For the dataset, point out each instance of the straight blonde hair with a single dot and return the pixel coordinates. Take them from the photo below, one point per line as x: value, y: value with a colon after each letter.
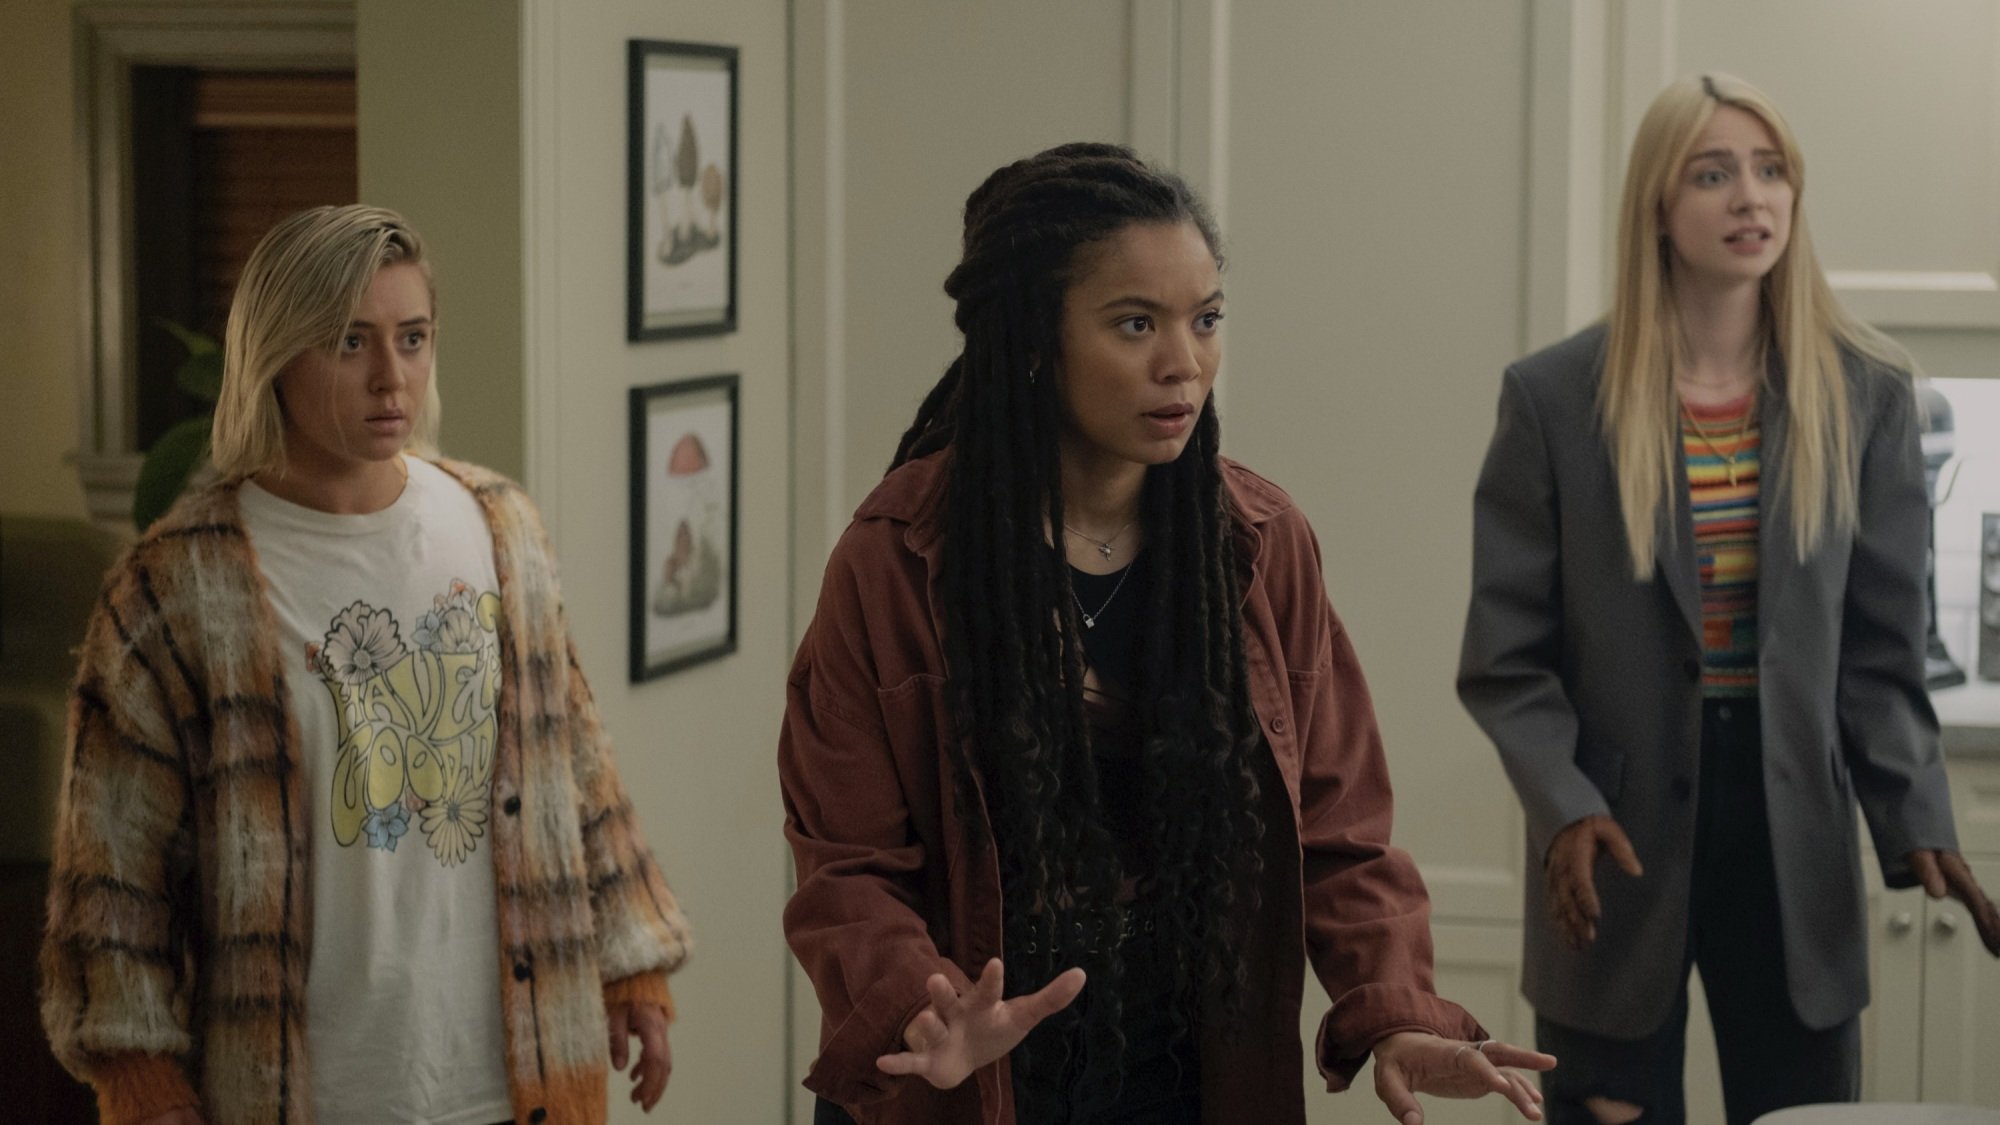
x: 1801, y: 320
x: 299, y: 292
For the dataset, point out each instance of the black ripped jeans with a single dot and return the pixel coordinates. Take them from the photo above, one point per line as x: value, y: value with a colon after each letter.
x: 1769, y: 1059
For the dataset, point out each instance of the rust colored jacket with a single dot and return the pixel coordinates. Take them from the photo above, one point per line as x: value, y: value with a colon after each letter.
x: 894, y: 885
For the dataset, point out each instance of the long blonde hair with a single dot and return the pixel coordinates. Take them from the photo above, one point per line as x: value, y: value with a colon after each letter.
x: 1801, y: 320
x: 298, y: 292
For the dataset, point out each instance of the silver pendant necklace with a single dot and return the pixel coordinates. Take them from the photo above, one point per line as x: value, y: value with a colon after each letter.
x: 1089, y: 618
x: 1103, y: 545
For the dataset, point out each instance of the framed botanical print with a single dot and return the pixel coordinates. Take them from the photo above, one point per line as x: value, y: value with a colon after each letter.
x: 684, y: 523
x: 681, y: 227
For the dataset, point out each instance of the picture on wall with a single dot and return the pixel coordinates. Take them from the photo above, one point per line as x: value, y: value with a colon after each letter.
x: 684, y: 490
x: 681, y: 227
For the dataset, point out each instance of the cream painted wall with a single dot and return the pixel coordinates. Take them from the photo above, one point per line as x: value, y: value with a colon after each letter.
x: 1377, y: 203
x: 1949, y: 354
x: 902, y: 107
x: 439, y: 93
x: 935, y: 71
x: 1375, y: 293
x: 40, y: 328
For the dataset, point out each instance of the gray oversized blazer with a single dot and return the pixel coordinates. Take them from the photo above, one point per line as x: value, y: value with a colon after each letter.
x: 1588, y: 682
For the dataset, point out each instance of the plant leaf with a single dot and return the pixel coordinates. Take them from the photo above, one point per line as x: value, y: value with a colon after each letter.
x: 197, y: 343
x: 200, y: 375
x: 166, y: 469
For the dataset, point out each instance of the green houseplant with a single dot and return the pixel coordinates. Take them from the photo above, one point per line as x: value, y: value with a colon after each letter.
x: 179, y: 452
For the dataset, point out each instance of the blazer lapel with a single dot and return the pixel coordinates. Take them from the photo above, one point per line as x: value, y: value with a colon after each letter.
x: 1777, y: 555
x: 1673, y: 550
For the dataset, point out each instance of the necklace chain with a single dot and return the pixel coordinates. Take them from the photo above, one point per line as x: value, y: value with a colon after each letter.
x: 1089, y: 618
x: 1103, y: 545
x: 1742, y: 430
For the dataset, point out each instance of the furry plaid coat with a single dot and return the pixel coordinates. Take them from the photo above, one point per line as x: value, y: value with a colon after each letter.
x: 174, y: 968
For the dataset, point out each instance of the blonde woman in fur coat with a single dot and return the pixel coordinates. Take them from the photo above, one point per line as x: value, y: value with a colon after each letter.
x: 341, y: 841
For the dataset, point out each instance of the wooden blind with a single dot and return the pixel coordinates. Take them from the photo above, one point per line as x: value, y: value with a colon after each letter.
x: 265, y: 145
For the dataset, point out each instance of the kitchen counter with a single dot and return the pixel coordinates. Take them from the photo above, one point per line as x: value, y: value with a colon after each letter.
x: 1970, y: 716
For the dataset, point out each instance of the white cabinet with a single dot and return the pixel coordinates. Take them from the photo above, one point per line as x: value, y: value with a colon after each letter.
x: 1932, y: 1032
x: 1961, y: 1043
x: 1892, y: 1027
x: 1934, y: 1028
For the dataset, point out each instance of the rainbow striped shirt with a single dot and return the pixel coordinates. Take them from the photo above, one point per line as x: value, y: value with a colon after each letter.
x: 1725, y: 540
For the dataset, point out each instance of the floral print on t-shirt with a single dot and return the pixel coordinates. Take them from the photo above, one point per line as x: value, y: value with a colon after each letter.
x: 416, y: 722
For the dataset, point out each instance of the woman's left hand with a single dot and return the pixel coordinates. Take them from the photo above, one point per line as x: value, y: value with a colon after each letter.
x: 656, y: 1058
x: 1945, y: 873
x: 1409, y: 1063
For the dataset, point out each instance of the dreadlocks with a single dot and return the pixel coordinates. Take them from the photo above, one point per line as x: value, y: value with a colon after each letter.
x: 1011, y: 634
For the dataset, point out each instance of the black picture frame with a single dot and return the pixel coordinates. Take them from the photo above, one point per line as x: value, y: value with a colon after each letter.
x: 684, y: 590
x: 680, y: 279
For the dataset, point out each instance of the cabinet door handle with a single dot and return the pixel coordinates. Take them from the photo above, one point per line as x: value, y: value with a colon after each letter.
x: 1901, y: 922
x: 1946, y: 924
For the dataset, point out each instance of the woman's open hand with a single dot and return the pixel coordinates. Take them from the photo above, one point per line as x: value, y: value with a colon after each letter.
x: 957, y: 1034
x: 1409, y: 1063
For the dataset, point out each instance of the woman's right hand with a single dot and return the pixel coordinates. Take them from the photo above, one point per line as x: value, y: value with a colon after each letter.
x: 957, y: 1034
x: 182, y: 1116
x: 1572, y: 872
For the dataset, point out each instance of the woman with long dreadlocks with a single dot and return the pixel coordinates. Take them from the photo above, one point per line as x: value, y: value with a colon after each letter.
x: 1074, y: 706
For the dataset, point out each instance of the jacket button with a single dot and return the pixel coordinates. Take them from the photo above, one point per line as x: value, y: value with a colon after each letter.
x: 522, y: 971
x: 538, y: 1115
x: 1278, y: 725
x: 1683, y: 788
x: 512, y: 807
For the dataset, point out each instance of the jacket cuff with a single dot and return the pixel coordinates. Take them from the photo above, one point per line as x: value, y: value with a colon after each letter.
x: 641, y: 988
x: 132, y: 1088
x: 1565, y: 801
x: 845, y: 1071
x: 1363, y: 1017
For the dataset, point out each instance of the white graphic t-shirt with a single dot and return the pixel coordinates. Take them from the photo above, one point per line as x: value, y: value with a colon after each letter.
x: 390, y: 625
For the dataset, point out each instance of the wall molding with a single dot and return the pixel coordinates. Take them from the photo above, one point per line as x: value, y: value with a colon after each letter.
x: 818, y: 384
x: 1568, y: 118
x: 1481, y: 893
x: 541, y: 256
x: 818, y: 293
x: 1177, y: 98
x: 1152, y: 96
x: 1920, y: 298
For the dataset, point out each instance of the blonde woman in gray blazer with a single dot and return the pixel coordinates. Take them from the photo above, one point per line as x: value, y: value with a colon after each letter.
x: 1696, y: 639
